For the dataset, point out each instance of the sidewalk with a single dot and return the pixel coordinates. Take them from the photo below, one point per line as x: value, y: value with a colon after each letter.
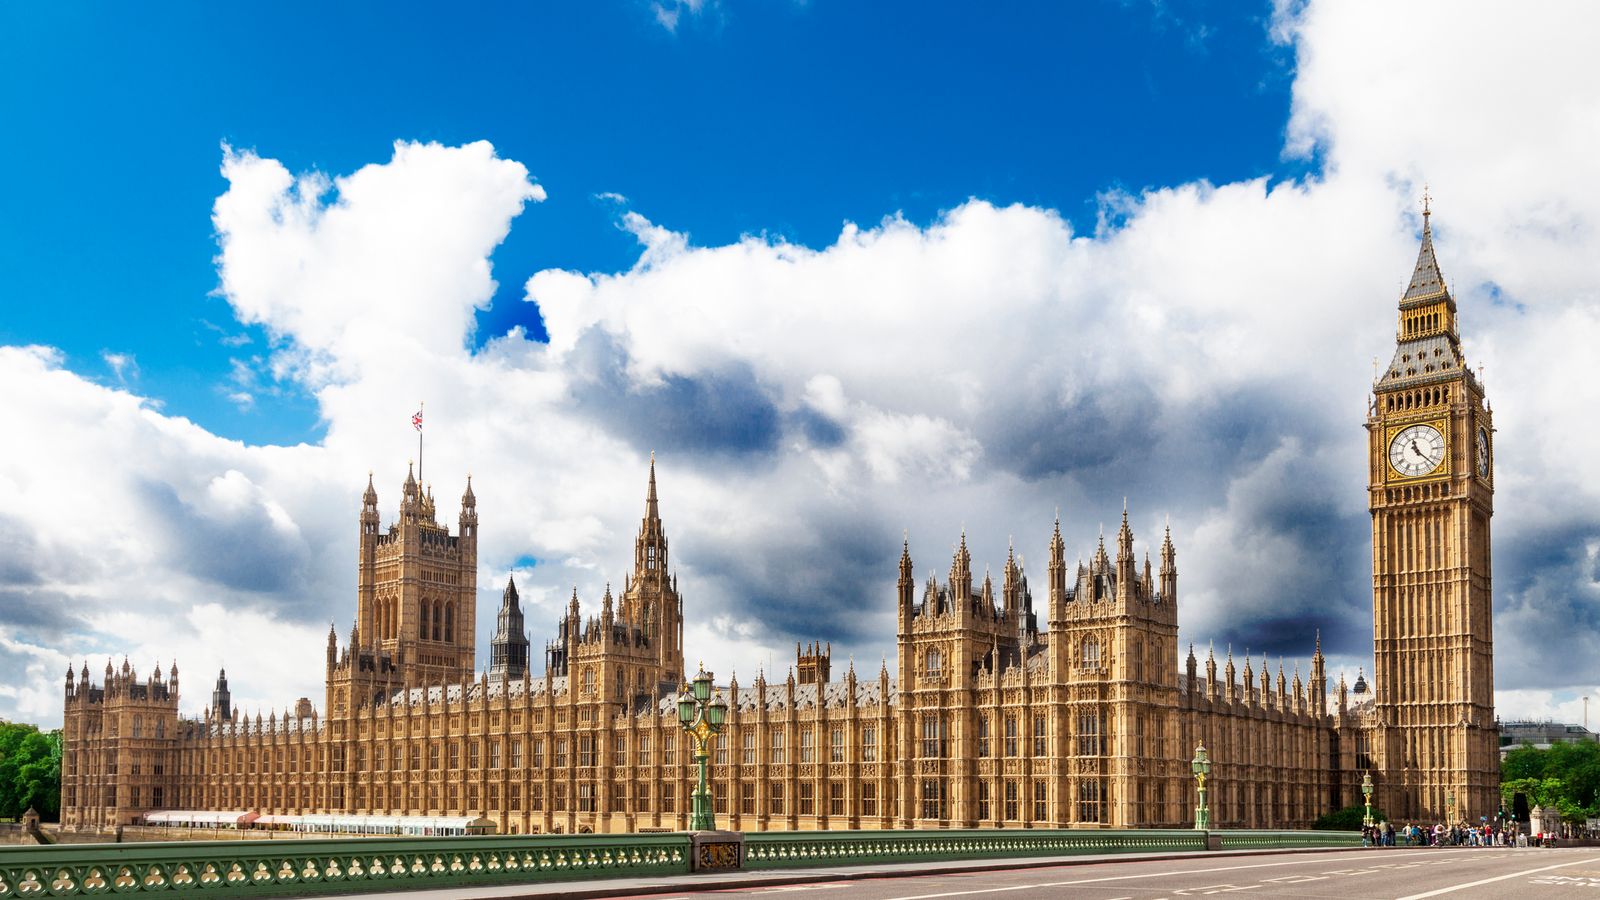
x: 712, y: 881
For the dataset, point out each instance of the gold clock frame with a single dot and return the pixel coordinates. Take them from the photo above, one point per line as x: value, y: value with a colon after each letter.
x: 1437, y: 473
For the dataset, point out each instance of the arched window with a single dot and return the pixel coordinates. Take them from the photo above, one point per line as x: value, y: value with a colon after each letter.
x: 588, y: 680
x: 649, y: 620
x: 450, y: 622
x: 1091, y: 653
x: 138, y: 726
x: 438, y: 616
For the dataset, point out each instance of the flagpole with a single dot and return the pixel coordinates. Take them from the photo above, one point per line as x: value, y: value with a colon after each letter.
x: 419, y: 446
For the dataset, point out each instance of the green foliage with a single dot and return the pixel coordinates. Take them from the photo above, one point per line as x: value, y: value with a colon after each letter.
x: 30, y: 771
x: 1348, y: 819
x: 1566, y: 776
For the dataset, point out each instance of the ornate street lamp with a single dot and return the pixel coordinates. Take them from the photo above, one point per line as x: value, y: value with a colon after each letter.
x: 1201, y: 765
x: 1366, y: 792
x: 1450, y: 807
x: 702, y: 718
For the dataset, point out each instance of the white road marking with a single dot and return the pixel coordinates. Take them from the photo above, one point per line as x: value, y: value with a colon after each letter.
x: 1461, y: 887
x: 1029, y: 887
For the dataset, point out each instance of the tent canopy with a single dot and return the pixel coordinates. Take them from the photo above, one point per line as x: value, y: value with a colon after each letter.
x: 201, y: 817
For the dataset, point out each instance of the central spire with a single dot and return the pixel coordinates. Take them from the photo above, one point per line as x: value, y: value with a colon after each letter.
x: 651, y: 510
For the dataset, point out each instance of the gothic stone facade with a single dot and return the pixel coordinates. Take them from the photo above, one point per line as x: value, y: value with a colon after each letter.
x: 986, y: 720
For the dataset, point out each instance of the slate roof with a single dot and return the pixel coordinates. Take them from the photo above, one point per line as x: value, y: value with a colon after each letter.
x: 1421, y: 360
x: 1426, y: 280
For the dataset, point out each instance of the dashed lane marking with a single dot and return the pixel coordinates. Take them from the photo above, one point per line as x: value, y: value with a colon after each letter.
x: 1471, y: 884
x: 1030, y: 887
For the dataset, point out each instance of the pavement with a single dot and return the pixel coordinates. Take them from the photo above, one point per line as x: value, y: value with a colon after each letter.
x: 1345, y: 874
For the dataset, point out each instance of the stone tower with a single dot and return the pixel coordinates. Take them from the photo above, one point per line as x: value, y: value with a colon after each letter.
x: 1114, y: 634
x: 417, y: 587
x: 1431, y: 494
x: 508, y: 650
x: 650, y: 596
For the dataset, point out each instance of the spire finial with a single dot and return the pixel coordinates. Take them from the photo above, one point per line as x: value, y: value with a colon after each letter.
x: 1426, y: 205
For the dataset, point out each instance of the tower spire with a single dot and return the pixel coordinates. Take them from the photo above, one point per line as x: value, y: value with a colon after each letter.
x: 651, y: 508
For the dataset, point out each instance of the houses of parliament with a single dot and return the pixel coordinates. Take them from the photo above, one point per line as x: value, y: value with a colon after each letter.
x: 984, y: 719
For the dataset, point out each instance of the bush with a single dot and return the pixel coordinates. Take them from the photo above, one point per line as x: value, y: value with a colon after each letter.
x: 1347, y: 819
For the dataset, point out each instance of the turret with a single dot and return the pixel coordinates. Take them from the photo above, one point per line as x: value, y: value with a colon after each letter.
x: 1169, y: 569
x: 221, y: 699
x: 905, y: 588
x: 1058, y: 571
x: 333, y: 648
x: 468, y: 521
x: 961, y: 572
x: 1319, y: 680
x: 1125, y: 559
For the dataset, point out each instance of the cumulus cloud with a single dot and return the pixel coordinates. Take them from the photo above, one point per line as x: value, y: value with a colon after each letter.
x: 1204, y: 353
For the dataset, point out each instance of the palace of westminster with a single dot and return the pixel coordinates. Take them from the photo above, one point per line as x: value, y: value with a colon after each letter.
x: 984, y: 719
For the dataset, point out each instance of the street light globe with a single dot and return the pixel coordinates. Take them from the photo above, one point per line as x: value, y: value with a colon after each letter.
x: 702, y: 686
x: 686, y: 707
x: 717, y: 712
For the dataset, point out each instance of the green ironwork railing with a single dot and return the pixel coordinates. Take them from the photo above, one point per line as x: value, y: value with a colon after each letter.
x: 329, y: 866
x: 1277, y: 840
x: 345, y: 865
x: 781, y: 849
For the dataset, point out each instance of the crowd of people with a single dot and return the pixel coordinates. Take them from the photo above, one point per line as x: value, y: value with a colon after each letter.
x: 1385, y: 834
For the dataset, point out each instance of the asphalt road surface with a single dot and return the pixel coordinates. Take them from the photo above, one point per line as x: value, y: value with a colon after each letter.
x: 1399, y: 874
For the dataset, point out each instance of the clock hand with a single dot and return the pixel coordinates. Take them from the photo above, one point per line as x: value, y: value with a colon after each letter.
x: 1418, y: 450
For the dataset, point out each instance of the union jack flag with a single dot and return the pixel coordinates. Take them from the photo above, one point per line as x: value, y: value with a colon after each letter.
x: 416, y: 420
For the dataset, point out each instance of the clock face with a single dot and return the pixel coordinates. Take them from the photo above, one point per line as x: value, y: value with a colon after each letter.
x: 1483, y: 453
x: 1416, y: 450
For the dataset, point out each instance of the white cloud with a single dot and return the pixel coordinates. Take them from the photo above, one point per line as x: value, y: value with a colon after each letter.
x: 1206, y: 357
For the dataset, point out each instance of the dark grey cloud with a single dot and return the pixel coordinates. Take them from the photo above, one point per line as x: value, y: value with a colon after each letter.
x: 244, y: 551
x: 1547, y: 606
x: 724, y: 412
x: 828, y: 577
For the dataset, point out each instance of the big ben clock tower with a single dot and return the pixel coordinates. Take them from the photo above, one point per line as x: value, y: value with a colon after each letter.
x: 1431, y: 494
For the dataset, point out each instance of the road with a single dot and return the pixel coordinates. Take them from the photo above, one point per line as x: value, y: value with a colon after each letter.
x: 1399, y: 874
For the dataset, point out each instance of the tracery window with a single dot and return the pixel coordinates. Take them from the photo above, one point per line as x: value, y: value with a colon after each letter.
x: 1091, y: 653
x: 1089, y: 743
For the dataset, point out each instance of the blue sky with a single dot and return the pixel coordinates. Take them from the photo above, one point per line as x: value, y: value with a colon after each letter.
x: 849, y: 270
x: 774, y: 118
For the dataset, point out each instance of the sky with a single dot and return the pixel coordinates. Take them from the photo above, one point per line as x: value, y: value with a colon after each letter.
x: 854, y: 272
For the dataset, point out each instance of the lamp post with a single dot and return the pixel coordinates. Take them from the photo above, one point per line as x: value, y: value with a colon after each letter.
x: 1366, y: 793
x: 702, y: 718
x: 1201, y: 766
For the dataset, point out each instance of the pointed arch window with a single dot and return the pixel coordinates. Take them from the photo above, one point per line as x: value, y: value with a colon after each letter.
x: 450, y: 622
x: 650, y: 557
x: 1091, y: 653
x: 438, y: 616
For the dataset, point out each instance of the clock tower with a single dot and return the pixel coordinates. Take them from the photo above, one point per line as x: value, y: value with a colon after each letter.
x: 1431, y: 494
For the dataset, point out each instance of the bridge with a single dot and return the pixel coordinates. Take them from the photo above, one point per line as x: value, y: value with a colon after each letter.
x: 372, y: 865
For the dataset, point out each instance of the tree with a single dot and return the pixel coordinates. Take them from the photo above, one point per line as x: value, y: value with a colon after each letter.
x: 1348, y: 819
x: 1565, y: 776
x: 30, y: 771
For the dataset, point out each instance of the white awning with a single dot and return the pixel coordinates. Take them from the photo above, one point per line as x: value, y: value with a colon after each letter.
x: 199, y: 817
x: 378, y: 824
